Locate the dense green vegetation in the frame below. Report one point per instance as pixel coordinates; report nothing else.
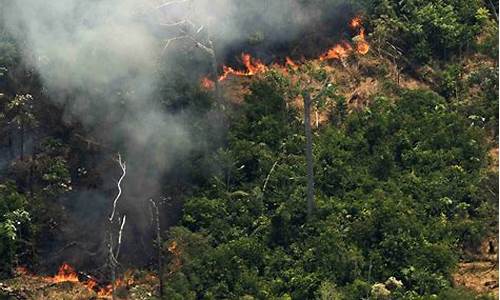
(400, 190)
(405, 187)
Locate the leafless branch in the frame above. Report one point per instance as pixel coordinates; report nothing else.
(269, 175)
(170, 3)
(167, 42)
(176, 23)
(203, 47)
(191, 34)
(159, 241)
(123, 166)
(120, 232)
(113, 251)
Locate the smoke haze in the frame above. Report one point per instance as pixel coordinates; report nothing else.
(100, 61)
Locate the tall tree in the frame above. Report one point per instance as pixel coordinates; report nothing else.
(309, 155)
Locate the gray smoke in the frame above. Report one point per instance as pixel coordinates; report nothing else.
(99, 60)
(109, 50)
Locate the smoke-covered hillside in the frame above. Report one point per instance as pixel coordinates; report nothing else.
(289, 149)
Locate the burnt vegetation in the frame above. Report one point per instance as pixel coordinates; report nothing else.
(316, 149)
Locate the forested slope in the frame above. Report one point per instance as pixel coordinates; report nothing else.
(404, 122)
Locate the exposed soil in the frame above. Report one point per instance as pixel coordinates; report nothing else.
(480, 274)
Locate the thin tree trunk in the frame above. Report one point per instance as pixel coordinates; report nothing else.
(215, 77)
(112, 265)
(309, 156)
(215, 73)
(113, 257)
(158, 238)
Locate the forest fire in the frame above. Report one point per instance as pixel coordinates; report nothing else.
(289, 62)
(356, 22)
(266, 149)
(339, 51)
(67, 273)
(343, 50)
(362, 46)
(255, 66)
(207, 84)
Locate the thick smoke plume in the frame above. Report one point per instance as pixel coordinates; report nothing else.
(99, 60)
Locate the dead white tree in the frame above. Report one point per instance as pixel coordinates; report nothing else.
(114, 247)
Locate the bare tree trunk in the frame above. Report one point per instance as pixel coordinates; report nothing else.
(309, 156)
(215, 76)
(159, 241)
(112, 264)
(113, 252)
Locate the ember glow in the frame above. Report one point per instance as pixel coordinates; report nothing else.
(356, 22)
(289, 62)
(339, 51)
(362, 46)
(252, 66)
(344, 49)
(67, 273)
(207, 84)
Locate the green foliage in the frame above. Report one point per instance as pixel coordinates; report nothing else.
(478, 108)
(401, 186)
(428, 29)
(14, 221)
(488, 40)
(398, 188)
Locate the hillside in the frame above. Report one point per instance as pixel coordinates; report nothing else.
(266, 150)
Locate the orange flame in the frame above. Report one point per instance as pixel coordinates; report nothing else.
(340, 51)
(105, 292)
(289, 62)
(356, 22)
(253, 67)
(362, 46)
(207, 84)
(91, 284)
(65, 273)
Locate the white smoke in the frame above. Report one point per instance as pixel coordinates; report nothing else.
(99, 60)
